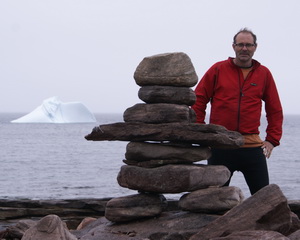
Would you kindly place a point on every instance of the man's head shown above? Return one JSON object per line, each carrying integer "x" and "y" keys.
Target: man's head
{"x": 244, "y": 45}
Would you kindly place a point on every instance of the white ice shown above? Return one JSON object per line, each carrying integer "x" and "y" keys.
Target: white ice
{"x": 53, "y": 110}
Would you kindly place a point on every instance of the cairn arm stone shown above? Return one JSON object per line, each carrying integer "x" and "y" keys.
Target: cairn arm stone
{"x": 203, "y": 134}
{"x": 265, "y": 210}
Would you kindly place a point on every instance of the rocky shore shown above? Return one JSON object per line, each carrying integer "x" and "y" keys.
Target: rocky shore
{"x": 87, "y": 215}
{"x": 165, "y": 146}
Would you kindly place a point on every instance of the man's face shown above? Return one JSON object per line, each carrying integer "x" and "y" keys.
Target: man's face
{"x": 244, "y": 47}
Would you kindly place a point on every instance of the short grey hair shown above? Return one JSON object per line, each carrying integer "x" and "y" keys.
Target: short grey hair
{"x": 245, "y": 30}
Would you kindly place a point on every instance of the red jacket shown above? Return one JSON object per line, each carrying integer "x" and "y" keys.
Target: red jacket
{"x": 237, "y": 103}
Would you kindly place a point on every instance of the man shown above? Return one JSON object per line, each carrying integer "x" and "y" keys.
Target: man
{"x": 235, "y": 89}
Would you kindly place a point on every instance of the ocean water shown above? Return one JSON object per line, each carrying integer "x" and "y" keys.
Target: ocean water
{"x": 54, "y": 161}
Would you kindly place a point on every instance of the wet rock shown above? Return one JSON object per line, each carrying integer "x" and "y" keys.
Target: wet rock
{"x": 159, "y": 113}
{"x": 143, "y": 151}
{"x": 167, "y": 94}
{"x": 49, "y": 228}
{"x": 267, "y": 210}
{"x": 172, "y": 178}
{"x": 134, "y": 207}
{"x": 169, "y": 69}
{"x": 203, "y": 134}
{"x": 212, "y": 200}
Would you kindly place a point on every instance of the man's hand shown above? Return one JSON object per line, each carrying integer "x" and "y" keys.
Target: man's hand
{"x": 267, "y": 148}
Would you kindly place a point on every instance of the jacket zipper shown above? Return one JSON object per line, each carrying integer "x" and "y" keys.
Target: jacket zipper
{"x": 241, "y": 95}
{"x": 239, "y": 103}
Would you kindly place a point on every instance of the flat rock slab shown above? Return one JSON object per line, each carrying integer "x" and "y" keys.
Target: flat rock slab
{"x": 212, "y": 200}
{"x": 203, "y": 134}
{"x": 253, "y": 235}
{"x": 134, "y": 207}
{"x": 267, "y": 210}
{"x": 12, "y": 209}
{"x": 168, "y": 69}
{"x": 172, "y": 178}
{"x": 169, "y": 225}
{"x": 145, "y": 151}
{"x": 159, "y": 113}
{"x": 167, "y": 94}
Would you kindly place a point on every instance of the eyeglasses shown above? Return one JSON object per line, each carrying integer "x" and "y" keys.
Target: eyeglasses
{"x": 247, "y": 45}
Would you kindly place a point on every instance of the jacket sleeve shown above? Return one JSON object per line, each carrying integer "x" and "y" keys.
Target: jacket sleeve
{"x": 204, "y": 93}
{"x": 273, "y": 110}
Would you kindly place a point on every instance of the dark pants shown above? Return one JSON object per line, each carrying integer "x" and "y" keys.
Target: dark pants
{"x": 250, "y": 161}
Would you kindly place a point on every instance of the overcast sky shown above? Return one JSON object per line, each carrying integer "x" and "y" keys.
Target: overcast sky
{"x": 88, "y": 50}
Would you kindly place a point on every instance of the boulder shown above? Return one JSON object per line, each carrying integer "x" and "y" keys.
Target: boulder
{"x": 144, "y": 151}
{"x": 294, "y": 235}
{"x": 49, "y": 228}
{"x": 172, "y": 178}
{"x": 134, "y": 207}
{"x": 167, "y": 94}
{"x": 253, "y": 235}
{"x": 169, "y": 69}
{"x": 295, "y": 222}
{"x": 267, "y": 210}
{"x": 159, "y": 113}
{"x": 17, "y": 231}
{"x": 203, "y": 134}
{"x": 212, "y": 200}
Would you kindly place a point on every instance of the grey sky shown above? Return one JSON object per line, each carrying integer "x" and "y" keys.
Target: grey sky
{"x": 88, "y": 50}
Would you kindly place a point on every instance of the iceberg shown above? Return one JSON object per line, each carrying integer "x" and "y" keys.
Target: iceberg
{"x": 53, "y": 110}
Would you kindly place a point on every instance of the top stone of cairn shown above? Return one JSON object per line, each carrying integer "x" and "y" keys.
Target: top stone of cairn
{"x": 168, "y": 69}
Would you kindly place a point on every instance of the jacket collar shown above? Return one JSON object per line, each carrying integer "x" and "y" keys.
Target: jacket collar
{"x": 255, "y": 63}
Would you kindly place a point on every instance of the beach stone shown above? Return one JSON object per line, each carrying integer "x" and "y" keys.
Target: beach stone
{"x": 212, "y": 200}
{"x": 17, "y": 231}
{"x": 295, "y": 235}
{"x": 203, "y": 134}
{"x": 134, "y": 207}
{"x": 168, "y": 69}
{"x": 86, "y": 221}
{"x": 49, "y": 228}
{"x": 253, "y": 235}
{"x": 267, "y": 210}
{"x": 159, "y": 113}
{"x": 145, "y": 151}
{"x": 167, "y": 94}
{"x": 172, "y": 178}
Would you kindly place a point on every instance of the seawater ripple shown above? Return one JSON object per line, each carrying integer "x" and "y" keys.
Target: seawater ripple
{"x": 54, "y": 161}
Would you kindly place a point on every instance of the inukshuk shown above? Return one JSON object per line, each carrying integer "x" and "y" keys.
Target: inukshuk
{"x": 164, "y": 144}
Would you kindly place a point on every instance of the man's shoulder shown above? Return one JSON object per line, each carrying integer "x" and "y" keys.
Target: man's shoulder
{"x": 223, "y": 63}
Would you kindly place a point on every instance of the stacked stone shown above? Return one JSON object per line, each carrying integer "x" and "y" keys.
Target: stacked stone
{"x": 165, "y": 142}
